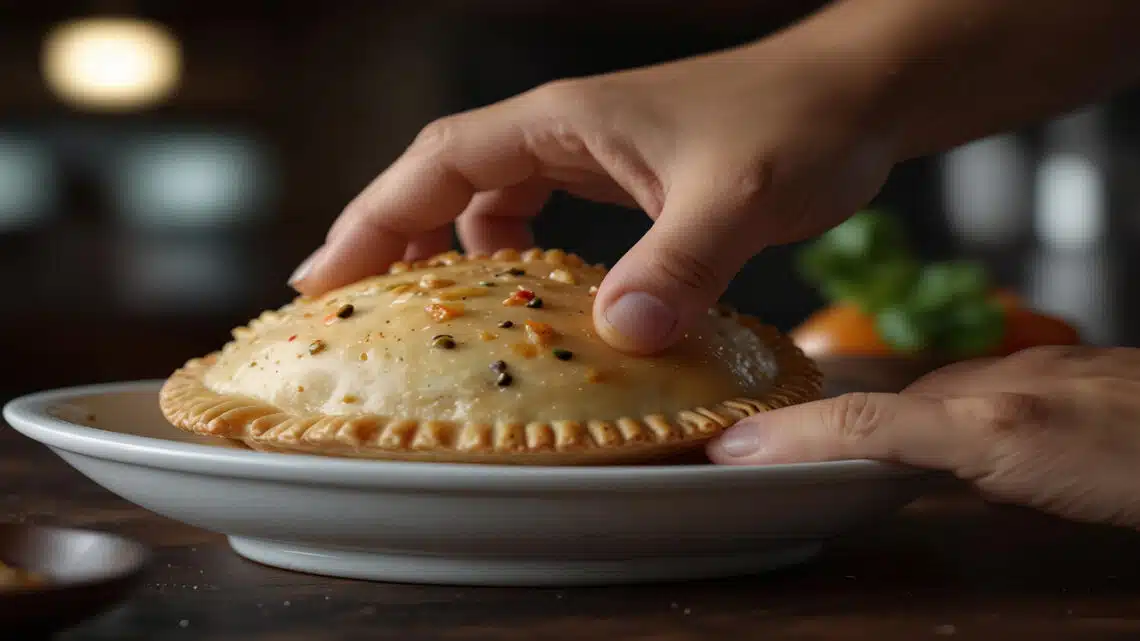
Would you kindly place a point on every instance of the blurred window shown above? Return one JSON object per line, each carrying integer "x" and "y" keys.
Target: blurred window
{"x": 28, "y": 182}
{"x": 192, "y": 180}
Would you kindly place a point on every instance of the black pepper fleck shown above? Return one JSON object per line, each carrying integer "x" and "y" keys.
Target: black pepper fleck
{"x": 563, "y": 354}
{"x": 534, "y": 303}
{"x": 499, "y": 366}
{"x": 345, "y": 311}
{"x": 486, "y": 283}
{"x": 506, "y": 324}
{"x": 504, "y": 379}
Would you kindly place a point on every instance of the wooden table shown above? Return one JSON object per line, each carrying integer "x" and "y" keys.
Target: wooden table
{"x": 948, "y": 566}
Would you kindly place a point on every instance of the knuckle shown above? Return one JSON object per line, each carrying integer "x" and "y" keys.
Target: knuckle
{"x": 684, "y": 267}
{"x": 1003, "y": 442}
{"x": 1007, "y": 412}
{"x": 857, "y": 416}
{"x": 438, "y": 134}
{"x": 750, "y": 184}
{"x": 568, "y": 95}
{"x": 562, "y": 115}
{"x": 555, "y": 133}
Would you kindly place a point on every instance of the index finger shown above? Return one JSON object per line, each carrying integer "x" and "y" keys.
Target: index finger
{"x": 426, "y": 188}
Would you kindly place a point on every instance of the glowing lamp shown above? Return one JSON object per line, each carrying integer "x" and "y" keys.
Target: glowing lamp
{"x": 111, "y": 64}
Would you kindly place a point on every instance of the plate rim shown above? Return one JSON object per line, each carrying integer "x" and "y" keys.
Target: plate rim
{"x": 27, "y": 414}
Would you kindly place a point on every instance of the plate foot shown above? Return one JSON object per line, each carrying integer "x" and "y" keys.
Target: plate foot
{"x": 515, "y": 571}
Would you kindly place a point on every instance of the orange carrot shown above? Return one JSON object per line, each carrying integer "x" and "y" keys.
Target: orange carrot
{"x": 843, "y": 329}
{"x": 1025, "y": 328}
{"x": 839, "y": 329}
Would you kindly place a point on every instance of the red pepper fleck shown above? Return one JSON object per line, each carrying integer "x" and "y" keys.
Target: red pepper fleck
{"x": 519, "y": 297}
{"x": 292, "y": 338}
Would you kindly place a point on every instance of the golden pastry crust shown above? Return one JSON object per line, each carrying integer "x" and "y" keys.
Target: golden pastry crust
{"x": 480, "y": 359}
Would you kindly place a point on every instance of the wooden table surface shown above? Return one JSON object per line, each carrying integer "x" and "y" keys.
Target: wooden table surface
{"x": 948, "y": 566}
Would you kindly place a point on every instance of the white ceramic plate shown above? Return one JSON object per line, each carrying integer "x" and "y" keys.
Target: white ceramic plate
{"x": 460, "y": 524}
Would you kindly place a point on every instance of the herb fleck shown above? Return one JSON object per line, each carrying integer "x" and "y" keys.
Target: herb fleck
{"x": 317, "y": 346}
{"x": 534, "y": 303}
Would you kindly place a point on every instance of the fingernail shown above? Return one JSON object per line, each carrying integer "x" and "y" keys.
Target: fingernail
{"x": 739, "y": 441}
{"x": 304, "y": 268}
{"x": 641, "y": 317}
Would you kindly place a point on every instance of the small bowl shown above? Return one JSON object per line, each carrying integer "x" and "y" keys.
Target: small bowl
{"x": 874, "y": 373}
{"x": 86, "y": 571}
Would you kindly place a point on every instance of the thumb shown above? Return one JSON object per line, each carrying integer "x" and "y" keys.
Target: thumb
{"x": 678, "y": 269}
{"x": 950, "y": 434}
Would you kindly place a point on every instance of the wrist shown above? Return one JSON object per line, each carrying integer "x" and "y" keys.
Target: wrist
{"x": 841, "y": 81}
{"x": 937, "y": 74}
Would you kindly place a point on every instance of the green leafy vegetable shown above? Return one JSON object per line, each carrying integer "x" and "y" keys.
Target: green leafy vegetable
{"x": 903, "y": 329}
{"x": 864, "y": 261}
{"x": 940, "y": 285}
{"x": 974, "y": 327}
{"x": 942, "y": 306}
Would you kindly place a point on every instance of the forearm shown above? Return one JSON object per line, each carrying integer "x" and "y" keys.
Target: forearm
{"x": 949, "y": 71}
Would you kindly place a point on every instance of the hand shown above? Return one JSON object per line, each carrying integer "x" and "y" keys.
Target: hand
{"x": 727, "y": 153}
{"x": 1055, "y": 428}
{"x": 732, "y": 152}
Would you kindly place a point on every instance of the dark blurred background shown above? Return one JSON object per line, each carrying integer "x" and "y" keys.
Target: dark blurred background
{"x": 160, "y": 180}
